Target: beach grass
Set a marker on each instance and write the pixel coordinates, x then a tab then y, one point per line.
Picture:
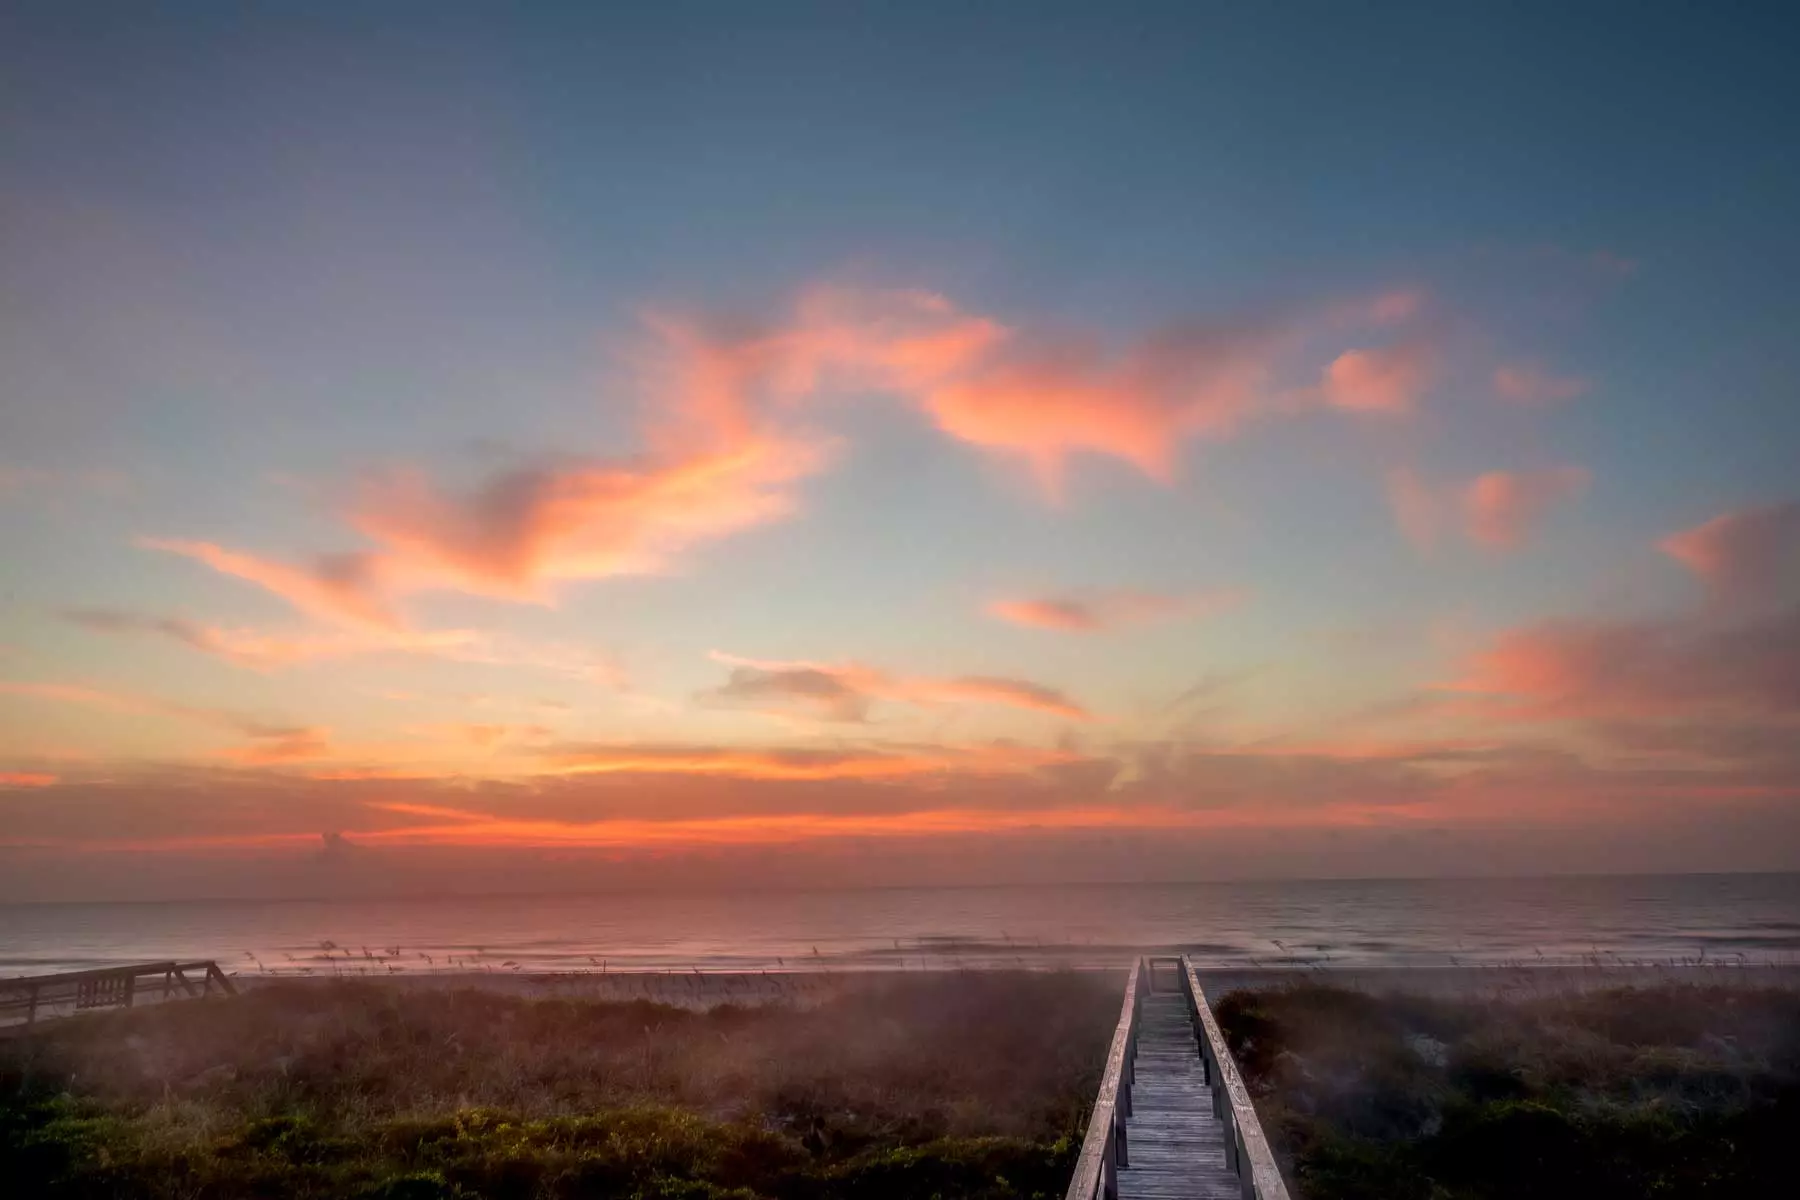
1670	1092
958	1084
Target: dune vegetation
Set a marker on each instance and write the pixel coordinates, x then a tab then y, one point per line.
1667	1092
953	1085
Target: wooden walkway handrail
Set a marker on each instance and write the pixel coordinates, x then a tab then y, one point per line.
1247	1148
1249	1164
107	987
1103	1151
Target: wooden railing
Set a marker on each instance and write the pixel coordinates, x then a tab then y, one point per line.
23	1001
1246	1148
1104	1149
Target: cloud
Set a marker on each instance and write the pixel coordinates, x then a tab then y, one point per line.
872	762
338	588
269	743
1502	508
487	735
1048	401
1530	383
1387	380
844	692
27	779
1591	670
265	651
1097	610
1741	555
273	745
724	450
1418	511
1499	510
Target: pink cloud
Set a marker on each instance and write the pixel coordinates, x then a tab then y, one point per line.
1093	611
1417	509
281	746
341	589
1741	555
1529	383
1502	508
1605	669
1389	380
27	779
1498	509
845	691
1049	401
723	452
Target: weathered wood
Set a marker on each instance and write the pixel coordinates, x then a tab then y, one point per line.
1173	1120
104	987
1254	1159
1097	1169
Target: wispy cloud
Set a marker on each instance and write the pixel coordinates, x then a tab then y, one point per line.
266	651
342	588
845	691
1389	379
1741	555
1591	670
1503	508
1095	610
804	763
1532	383
269	742
1499	510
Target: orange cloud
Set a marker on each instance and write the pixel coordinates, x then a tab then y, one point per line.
281	746
796	764
1047	402
339	588
1741	555
1599	669
1092	612
1389	380
723	453
1529	383
844	691
270	743
1501	508
1417	509
27	779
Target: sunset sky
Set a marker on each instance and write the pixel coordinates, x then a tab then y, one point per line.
787	444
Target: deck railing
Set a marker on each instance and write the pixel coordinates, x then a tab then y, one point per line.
1105	1150
23	1001
1247	1149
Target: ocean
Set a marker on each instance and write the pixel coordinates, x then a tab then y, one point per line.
1360	923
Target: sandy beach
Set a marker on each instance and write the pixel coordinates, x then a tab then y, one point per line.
707	989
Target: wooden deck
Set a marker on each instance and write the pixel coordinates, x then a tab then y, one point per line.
1176	1145
29	999
1173	1120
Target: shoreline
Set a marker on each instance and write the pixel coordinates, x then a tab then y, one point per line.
698	991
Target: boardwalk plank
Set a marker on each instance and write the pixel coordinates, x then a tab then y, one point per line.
1175	1144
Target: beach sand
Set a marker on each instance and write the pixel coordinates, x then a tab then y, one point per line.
708	989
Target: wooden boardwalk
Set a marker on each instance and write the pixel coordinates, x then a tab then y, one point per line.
1176	1145
1173	1120
29	999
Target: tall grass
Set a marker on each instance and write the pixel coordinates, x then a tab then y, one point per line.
1673	1091
972	1084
